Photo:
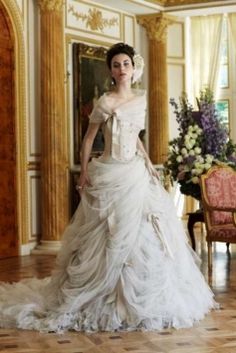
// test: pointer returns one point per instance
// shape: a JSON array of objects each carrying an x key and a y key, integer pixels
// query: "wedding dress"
[{"x": 125, "y": 263}]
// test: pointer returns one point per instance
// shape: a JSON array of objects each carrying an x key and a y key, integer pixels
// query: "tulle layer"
[{"x": 125, "y": 263}]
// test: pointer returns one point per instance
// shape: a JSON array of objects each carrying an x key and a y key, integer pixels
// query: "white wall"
[
  {"x": 80, "y": 26},
  {"x": 117, "y": 26},
  {"x": 176, "y": 69}
]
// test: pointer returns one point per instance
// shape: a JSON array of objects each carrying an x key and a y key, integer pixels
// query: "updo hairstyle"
[{"x": 119, "y": 48}]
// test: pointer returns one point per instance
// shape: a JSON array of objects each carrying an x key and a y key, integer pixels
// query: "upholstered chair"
[{"x": 218, "y": 188}]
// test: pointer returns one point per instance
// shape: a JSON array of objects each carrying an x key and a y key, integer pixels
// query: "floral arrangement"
[{"x": 203, "y": 141}]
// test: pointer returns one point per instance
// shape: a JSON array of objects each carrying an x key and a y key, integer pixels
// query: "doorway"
[{"x": 8, "y": 197}]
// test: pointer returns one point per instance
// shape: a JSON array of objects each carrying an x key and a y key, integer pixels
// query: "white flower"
[
  {"x": 194, "y": 136},
  {"x": 209, "y": 158},
  {"x": 179, "y": 159},
  {"x": 138, "y": 67},
  {"x": 191, "y": 153},
  {"x": 197, "y": 150},
  {"x": 199, "y": 131},
  {"x": 194, "y": 171},
  {"x": 188, "y": 145},
  {"x": 199, "y": 171},
  {"x": 187, "y": 137},
  {"x": 195, "y": 180},
  {"x": 200, "y": 159},
  {"x": 207, "y": 166},
  {"x": 184, "y": 151}
]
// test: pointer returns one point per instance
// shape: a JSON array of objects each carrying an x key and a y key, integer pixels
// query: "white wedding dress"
[{"x": 125, "y": 263}]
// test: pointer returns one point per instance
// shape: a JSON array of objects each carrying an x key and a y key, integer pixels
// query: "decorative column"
[
  {"x": 156, "y": 26},
  {"x": 54, "y": 139}
]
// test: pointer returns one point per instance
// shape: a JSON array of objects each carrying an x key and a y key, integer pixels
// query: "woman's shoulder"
[
  {"x": 108, "y": 102},
  {"x": 137, "y": 92},
  {"x": 109, "y": 96}
]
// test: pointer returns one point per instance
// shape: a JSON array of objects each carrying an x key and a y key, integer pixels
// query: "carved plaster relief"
[
  {"x": 50, "y": 5},
  {"x": 93, "y": 19}
]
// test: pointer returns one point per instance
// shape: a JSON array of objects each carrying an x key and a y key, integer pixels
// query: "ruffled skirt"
[{"x": 125, "y": 263}]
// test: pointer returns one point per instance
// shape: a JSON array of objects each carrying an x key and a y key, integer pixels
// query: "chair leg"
[
  {"x": 209, "y": 244},
  {"x": 227, "y": 244}
]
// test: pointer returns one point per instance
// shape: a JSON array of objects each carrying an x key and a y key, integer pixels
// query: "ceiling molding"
[
  {"x": 175, "y": 3},
  {"x": 177, "y": 7}
]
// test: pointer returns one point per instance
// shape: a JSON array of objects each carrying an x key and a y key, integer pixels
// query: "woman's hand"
[
  {"x": 152, "y": 171},
  {"x": 84, "y": 181},
  {"x": 155, "y": 173},
  {"x": 85, "y": 154}
]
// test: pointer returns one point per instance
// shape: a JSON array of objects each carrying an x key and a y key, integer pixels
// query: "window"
[
  {"x": 223, "y": 110},
  {"x": 224, "y": 66}
]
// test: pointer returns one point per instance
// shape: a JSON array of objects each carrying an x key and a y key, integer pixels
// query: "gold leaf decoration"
[
  {"x": 94, "y": 19},
  {"x": 51, "y": 5},
  {"x": 186, "y": 2}
]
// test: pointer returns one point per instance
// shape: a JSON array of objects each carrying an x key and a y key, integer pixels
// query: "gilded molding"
[
  {"x": 51, "y": 5},
  {"x": 168, "y": 3},
  {"x": 94, "y": 19},
  {"x": 34, "y": 165},
  {"x": 54, "y": 126},
  {"x": 20, "y": 75},
  {"x": 185, "y": 2},
  {"x": 156, "y": 25}
]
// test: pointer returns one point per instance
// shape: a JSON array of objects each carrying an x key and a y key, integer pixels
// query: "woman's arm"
[
  {"x": 85, "y": 154},
  {"x": 149, "y": 165}
]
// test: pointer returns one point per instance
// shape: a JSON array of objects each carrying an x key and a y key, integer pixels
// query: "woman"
[{"x": 125, "y": 263}]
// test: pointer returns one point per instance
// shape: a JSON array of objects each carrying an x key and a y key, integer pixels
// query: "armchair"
[{"x": 218, "y": 190}]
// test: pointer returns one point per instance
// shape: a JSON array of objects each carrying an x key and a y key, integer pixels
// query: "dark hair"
[{"x": 120, "y": 48}]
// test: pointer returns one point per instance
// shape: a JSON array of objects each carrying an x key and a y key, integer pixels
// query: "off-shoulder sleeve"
[{"x": 97, "y": 114}]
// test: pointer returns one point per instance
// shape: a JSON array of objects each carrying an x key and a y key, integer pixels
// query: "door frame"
[{"x": 16, "y": 21}]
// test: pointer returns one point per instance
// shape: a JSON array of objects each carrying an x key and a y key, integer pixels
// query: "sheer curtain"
[
  {"x": 232, "y": 26},
  {"x": 205, "y": 38}
]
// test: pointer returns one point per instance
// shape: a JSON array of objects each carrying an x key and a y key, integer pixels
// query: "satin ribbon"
[
  {"x": 115, "y": 143},
  {"x": 153, "y": 218}
]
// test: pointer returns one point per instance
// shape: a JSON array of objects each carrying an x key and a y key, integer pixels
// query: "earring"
[{"x": 113, "y": 82}]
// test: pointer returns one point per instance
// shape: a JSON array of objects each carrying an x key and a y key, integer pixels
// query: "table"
[{"x": 194, "y": 217}]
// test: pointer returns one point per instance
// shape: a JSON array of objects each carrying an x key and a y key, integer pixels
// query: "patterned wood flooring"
[{"x": 215, "y": 334}]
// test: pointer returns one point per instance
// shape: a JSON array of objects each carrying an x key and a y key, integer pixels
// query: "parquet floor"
[{"x": 215, "y": 334}]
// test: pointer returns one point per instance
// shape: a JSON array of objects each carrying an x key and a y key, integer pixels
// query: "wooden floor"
[{"x": 215, "y": 334}]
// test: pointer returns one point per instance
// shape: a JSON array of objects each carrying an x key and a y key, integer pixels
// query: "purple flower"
[
  {"x": 190, "y": 159},
  {"x": 212, "y": 140}
]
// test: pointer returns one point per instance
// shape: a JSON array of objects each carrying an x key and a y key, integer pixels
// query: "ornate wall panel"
[
  {"x": 176, "y": 69},
  {"x": 176, "y": 85},
  {"x": 175, "y": 41},
  {"x": 34, "y": 202},
  {"x": 33, "y": 83},
  {"x": 88, "y": 18},
  {"x": 129, "y": 29}
]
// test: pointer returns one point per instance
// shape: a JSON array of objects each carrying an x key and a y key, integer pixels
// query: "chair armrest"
[
  {"x": 216, "y": 208},
  {"x": 234, "y": 218}
]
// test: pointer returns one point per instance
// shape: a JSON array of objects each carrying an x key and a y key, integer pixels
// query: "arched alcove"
[{"x": 14, "y": 228}]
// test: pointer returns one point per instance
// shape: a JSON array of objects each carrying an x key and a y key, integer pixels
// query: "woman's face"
[{"x": 121, "y": 68}]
